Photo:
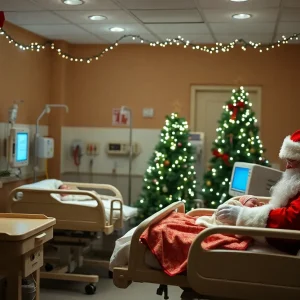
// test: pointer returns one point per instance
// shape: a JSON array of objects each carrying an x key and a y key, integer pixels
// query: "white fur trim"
[
  {"x": 254, "y": 216},
  {"x": 211, "y": 221},
  {"x": 290, "y": 149}
]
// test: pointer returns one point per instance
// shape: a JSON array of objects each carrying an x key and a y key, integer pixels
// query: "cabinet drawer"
[
  {"x": 32, "y": 261},
  {"x": 22, "y": 247},
  {"x": 37, "y": 240}
]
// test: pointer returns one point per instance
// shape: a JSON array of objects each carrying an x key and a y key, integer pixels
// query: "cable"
[
  {"x": 76, "y": 155},
  {"x": 46, "y": 169},
  {"x": 91, "y": 170},
  {"x": 30, "y": 290}
]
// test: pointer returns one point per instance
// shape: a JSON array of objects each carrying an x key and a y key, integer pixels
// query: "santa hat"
[{"x": 290, "y": 148}]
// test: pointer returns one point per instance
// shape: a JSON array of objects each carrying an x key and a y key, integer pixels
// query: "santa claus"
[{"x": 283, "y": 210}]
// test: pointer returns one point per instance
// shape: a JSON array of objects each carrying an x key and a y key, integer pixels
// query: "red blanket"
[{"x": 170, "y": 240}]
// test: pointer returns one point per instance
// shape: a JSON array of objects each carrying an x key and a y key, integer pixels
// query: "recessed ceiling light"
[
  {"x": 97, "y": 18},
  {"x": 116, "y": 29},
  {"x": 73, "y": 2},
  {"x": 241, "y": 16},
  {"x": 238, "y": 0}
]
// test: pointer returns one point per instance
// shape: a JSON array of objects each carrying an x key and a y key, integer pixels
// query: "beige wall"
[
  {"x": 23, "y": 75},
  {"x": 143, "y": 76}
]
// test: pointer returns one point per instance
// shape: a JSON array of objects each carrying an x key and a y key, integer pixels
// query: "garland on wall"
[{"x": 218, "y": 48}]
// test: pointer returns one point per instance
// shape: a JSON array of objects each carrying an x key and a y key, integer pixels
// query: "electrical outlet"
[
  {"x": 148, "y": 112},
  {"x": 92, "y": 149}
]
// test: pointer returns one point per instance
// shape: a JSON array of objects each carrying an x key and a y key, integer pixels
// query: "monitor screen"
[
  {"x": 240, "y": 179},
  {"x": 21, "y": 146}
]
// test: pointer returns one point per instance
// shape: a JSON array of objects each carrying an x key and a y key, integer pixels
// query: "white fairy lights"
[{"x": 218, "y": 48}]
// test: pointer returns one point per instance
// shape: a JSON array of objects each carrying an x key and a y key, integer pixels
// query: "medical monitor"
[
  {"x": 19, "y": 147},
  {"x": 252, "y": 179}
]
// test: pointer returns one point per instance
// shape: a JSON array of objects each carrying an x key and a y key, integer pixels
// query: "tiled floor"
[{"x": 106, "y": 290}]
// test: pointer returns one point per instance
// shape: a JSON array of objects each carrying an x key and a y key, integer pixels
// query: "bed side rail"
[
  {"x": 115, "y": 205},
  {"x": 25, "y": 191},
  {"x": 118, "y": 222},
  {"x": 248, "y": 231},
  {"x": 99, "y": 186},
  {"x": 41, "y": 201},
  {"x": 244, "y": 274}
]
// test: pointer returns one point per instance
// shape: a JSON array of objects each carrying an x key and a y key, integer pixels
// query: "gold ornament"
[
  {"x": 252, "y": 150},
  {"x": 208, "y": 183}
]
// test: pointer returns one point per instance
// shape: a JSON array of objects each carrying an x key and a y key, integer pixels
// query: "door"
[{"x": 207, "y": 109}]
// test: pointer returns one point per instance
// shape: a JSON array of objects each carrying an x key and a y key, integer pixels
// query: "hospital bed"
[
  {"x": 78, "y": 222},
  {"x": 258, "y": 273}
]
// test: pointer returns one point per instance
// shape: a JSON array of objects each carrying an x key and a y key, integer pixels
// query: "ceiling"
[{"x": 199, "y": 21}]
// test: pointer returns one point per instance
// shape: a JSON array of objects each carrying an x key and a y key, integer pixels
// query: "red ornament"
[
  {"x": 234, "y": 108},
  {"x": 166, "y": 163},
  {"x": 224, "y": 156},
  {"x": 2, "y": 19},
  {"x": 179, "y": 144}
]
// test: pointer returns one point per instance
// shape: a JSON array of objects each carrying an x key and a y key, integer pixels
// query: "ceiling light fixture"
[
  {"x": 238, "y": 0},
  {"x": 116, "y": 29},
  {"x": 241, "y": 16},
  {"x": 97, "y": 18},
  {"x": 73, "y": 2}
]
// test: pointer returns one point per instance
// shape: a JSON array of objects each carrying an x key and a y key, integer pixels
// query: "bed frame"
[
  {"x": 218, "y": 273},
  {"x": 82, "y": 223}
]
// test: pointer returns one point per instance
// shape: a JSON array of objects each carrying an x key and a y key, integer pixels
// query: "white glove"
[{"x": 228, "y": 214}]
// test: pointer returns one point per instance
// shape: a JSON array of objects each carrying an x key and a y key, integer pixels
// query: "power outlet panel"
[{"x": 92, "y": 149}]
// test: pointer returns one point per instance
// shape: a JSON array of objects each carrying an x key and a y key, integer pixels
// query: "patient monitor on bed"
[
  {"x": 18, "y": 147},
  {"x": 252, "y": 179}
]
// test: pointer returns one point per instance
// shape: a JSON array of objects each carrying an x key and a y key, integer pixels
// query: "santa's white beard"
[{"x": 286, "y": 188}]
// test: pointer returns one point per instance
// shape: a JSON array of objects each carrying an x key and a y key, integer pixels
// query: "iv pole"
[
  {"x": 122, "y": 111},
  {"x": 46, "y": 110}
]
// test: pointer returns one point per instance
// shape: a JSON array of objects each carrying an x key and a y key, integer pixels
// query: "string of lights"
[{"x": 217, "y": 48}]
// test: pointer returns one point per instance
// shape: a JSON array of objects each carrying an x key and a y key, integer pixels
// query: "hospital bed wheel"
[
  {"x": 48, "y": 267},
  {"x": 90, "y": 289}
]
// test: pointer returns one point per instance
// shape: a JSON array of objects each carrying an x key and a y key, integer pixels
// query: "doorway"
[{"x": 206, "y": 109}]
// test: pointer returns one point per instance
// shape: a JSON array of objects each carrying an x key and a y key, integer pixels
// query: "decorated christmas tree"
[
  {"x": 171, "y": 175},
  {"x": 237, "y": 140}
]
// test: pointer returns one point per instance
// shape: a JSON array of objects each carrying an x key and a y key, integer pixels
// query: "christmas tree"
[
  {"x": 171, "y": 175},
  {"x": 237, "y": 140}
]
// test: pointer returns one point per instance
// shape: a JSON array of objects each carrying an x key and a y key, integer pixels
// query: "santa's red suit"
[{"x": 283, "y": 210}]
